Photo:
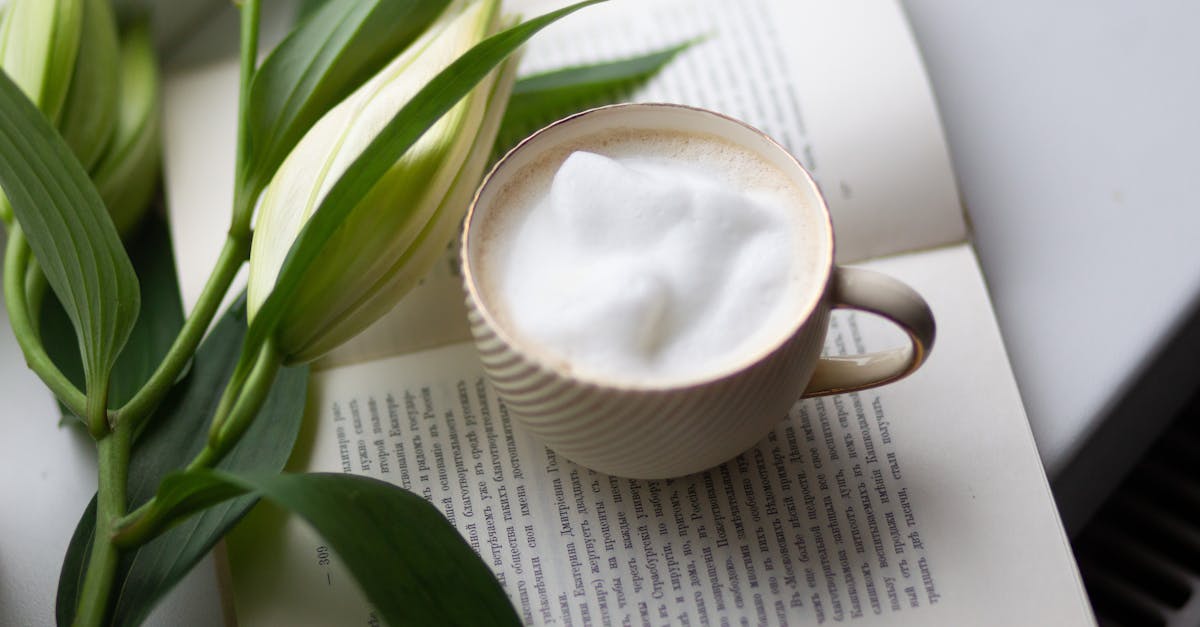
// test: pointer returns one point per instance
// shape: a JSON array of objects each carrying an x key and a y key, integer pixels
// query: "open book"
[{"x": 920, "y": 503}]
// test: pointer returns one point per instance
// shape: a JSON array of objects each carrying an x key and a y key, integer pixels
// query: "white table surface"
[
  {"x": 1074, "y": 135},
  {"x": 1074, "y": 131}
]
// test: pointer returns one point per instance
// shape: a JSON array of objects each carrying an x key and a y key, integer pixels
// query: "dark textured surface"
[{"x": 1140, "y": 555}]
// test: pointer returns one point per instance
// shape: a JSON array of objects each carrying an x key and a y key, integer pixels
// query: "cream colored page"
[
  {"x": 880, "y": 152},
  {"x": 839, "y": 83},
  {"x": 919, "y": 503}
]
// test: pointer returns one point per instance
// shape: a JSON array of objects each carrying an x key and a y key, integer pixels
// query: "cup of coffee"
[{"x": 649, "y": 287}]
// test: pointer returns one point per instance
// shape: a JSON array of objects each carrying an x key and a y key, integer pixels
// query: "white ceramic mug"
[{"x": 656, "y": 431}]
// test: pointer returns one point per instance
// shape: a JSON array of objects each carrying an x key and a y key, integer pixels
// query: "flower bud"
[
  {"x": 63, "y": 55},
  {"x": 90, "y": 110},
  {"x": 126, "y": 176},
  {"x": 403, "y": 224},
  {"x": 39, "y": 43}
]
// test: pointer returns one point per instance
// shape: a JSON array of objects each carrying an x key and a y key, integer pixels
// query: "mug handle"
[{"x": 865, "y": 290}]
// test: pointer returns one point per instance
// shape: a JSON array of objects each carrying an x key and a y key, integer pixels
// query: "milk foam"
[{"x": 667, "y": 258}]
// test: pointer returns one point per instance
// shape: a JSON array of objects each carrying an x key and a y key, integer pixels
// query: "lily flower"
[
  {"x": 101, "y": 93},
  {"x": 404, "y": 223}
]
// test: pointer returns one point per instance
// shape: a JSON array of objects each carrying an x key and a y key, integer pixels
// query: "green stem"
[
  {"x": 16, "y": 262},
  {"x": 35, "y": 293},
  {"x": 147, "y": 521},
  {"x": 230, "y": 396},
  {"x": 232, "y": 256},
  {"x": 97, "y": 408},
  {"x": 227, "y": 433},
  {"x": 243, "y": 207},
  {"x": 113, "y": 460}
]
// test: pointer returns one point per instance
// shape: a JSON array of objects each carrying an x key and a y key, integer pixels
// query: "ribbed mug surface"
[{"x": 634, "y": 430}]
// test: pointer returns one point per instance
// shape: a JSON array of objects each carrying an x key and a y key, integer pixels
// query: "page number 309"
[{"x": 322, "y": 555}]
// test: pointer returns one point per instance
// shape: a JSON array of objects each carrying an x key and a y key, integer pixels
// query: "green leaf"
[
  {"x": 89, "y": 113},
  {"x": 174, "y": 436},
  {"x": 307, "y": 8},
  {"x": 155, "y": 330},
  {"x": 411, "y": 563},
  {"x": 426, "y": 107},
  {"x": 184, "y": 493},
  {"x": 69, "y": 232},
  {"x": 70, "y": 579},
  {"x": 340, "y": 46},
  {"x": 543, "y": 98}
]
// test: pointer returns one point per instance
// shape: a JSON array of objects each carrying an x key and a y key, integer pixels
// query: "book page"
[
  {"x": 922, "y": 502},
  {"x": 839, "y": 84}
]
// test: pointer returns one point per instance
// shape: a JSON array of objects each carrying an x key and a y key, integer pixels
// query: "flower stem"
[
  {"x": 113, "y": 459},
  {"x": 97, "y": 408},
  {"x": 243, "y": 208},
  {"x": 16, "y": 262},
  {"x": 147, "y": 521},
  {"x": 35, "y": 293},
  {"x": 228, "y": 431},
  {"x": 232, "y": 256}
]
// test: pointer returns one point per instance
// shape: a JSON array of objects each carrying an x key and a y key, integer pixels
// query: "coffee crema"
[{"x": 650, "y": 256}]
